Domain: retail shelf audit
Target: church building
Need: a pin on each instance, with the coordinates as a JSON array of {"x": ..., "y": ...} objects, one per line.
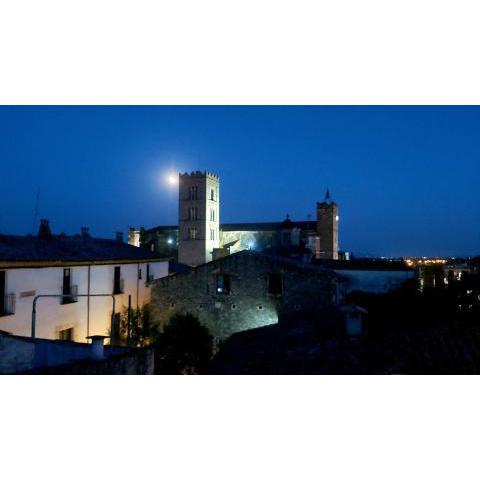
[{"x": 200, "y": 237}]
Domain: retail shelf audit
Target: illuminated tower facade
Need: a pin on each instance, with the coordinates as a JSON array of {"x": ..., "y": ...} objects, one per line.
[
  {"x": 327, "y": 228},
  {"x": 199, "y": 217}
]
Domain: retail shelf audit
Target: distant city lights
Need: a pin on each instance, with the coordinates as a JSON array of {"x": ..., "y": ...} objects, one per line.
[{"x": 411, "y": 262}]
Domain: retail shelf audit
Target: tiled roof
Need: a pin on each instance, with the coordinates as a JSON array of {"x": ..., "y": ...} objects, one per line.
[
  {"x": 62, "y": 248},
  {"x": 245, "y": 227}
]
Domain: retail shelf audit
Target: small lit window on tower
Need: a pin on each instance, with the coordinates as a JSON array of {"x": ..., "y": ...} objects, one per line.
[
  {"x": 275, "y": 284},
  {"x": 192, "y": 233},
  {"x": 223, "y": 284}
]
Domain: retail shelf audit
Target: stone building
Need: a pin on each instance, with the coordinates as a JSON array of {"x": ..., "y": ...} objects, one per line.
[
  {"x": 327, "y": 228},
  {"x": 198, "y": 212},
  {"x": 244, "y": 290},
  {"x": 200, "y": 237}
]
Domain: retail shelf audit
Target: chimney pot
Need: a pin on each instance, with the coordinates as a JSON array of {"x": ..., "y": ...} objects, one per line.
[{"x": 97, "y": 346}]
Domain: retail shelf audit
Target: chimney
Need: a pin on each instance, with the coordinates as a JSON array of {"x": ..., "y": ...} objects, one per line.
[
  {"x": 97, "y": 347},
  {"x": 119, "y": 237},
  {"x": 44, "y": 232},
  {"x": 85, "y": 232}
]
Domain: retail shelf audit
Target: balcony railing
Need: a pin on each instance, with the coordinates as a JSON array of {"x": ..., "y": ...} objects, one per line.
[
  {"x": 118, "y": 287},
  {"x": 8, "y": 307},
  {"x": 72, "y": 295}
]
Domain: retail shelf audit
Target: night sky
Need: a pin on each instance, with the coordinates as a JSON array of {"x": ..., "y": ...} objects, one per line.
[{"x": 406, "y": 178}]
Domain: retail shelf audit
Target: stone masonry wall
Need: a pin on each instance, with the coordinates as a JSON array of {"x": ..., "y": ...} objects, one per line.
[{"x": 249, "y": 305}]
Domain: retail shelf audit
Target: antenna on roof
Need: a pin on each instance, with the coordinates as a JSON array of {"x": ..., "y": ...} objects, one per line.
[
  {"x": 36, "y": 212},
  {"x": 327, "y": 195}
]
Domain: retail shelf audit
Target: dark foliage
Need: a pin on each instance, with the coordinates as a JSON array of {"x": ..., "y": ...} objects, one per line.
[{"x": 184, "y": 347}]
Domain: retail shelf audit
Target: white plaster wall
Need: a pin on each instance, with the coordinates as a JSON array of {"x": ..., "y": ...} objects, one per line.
[
  {"x": 52, "y": 316},
  {"x": 375, "y": 281}
]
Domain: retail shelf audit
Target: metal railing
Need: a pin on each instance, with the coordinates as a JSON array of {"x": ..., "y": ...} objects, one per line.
[
  {"x": 70, "y": 296},
  {"x": 8, "y": 307}
]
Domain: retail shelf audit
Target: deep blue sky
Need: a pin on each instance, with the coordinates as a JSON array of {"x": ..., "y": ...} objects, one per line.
[{"x": 406, "y": 178}]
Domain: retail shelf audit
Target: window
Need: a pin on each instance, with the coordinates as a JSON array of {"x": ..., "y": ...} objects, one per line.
[
  {"x": 68, "y": 288},
  {"x": 275, "y": 284},
  {"x": 212, "y": 194},
  {"x": 117, "y": 282},
  {"x": 66, "y": 281},
  {"x": 193, "y": 192},
  {"x": 66, "y": 335},
  {"x": 192, "y": 233},
  {"x": 192, "y": 213},
  {"x": 212, "y": 234},
  {"x": 212, "y": 214},
  {"x": 223, "y": 284}
]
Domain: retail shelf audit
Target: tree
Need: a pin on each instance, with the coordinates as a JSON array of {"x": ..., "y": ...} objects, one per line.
[
  {"x": 185, "y": 346},
  {"x": 134, "y": 330}
]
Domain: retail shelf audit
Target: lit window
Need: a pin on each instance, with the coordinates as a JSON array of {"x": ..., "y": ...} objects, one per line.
[
  {"x": 66, "y": 335},
  {"x": 223, "y": 284},
  {"x": 192, "y": 233}
]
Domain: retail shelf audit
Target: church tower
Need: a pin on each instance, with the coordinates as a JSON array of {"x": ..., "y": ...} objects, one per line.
[
  {"x": 199, "y": 217},
  {"x": 327, "y": 227}
]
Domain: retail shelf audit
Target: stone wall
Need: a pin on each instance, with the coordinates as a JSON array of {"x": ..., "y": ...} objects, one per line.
[
  {"x": 20, "y": 354},
  {"x": 248, "y": 305}
]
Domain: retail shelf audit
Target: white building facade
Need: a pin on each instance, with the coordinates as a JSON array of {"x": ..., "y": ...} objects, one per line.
[{"x": 70, "y": 315}]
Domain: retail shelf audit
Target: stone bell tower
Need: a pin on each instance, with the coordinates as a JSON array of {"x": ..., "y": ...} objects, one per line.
[
  {"x": 199, "y": 217},
  {"x": 327, "y": 227}
]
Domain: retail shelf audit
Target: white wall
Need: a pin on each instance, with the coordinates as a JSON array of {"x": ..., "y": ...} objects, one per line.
[
  {"x": 377, "y": 281},
  {"x": 52, "y": 316}
]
